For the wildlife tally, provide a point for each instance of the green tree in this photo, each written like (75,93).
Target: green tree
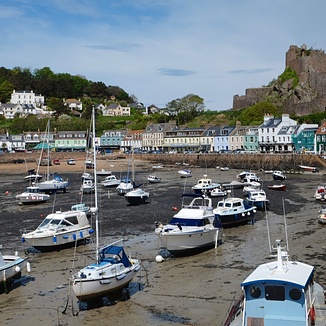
(254,115)
(6,89)
(186,108)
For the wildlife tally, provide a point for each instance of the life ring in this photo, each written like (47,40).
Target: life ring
(312,316)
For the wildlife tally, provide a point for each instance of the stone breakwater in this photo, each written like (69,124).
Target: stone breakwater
(235,161)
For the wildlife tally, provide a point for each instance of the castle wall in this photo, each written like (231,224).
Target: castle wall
(309,97)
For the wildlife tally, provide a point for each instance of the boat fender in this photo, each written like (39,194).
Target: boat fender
(174,208)
(74,237)
(159,259)
(54,239)
(312,316)
(28,267)
(17,269)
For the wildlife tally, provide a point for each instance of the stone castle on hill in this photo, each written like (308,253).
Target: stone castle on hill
(309,96)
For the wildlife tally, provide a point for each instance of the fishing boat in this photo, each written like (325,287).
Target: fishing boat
(194,228)
(277,187)
(280,292)
(153,178)
(258,199)
(59,230)
(137,196)
(278,175)
(11,267)
(251,186)
(32,195)
(219,192)
(205,185)
(111,271)
(87,186)
(233,211)
(309,168)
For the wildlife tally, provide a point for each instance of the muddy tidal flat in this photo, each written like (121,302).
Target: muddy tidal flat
(193,290)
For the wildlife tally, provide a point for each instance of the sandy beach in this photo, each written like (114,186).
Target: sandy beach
(194,290)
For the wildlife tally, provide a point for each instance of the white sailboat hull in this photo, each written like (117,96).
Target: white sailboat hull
(96,285)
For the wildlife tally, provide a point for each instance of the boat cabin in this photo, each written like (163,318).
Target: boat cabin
(279,293)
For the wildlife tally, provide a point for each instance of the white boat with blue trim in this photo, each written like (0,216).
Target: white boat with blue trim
(59,230)
(112,269)
(194,228)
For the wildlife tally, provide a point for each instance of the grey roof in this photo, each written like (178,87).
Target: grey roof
(271,123)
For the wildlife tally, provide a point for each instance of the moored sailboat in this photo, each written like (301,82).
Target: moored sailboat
(112,269)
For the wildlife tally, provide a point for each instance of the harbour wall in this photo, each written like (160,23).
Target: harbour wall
(235,161)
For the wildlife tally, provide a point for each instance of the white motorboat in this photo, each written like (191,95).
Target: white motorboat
(258,199)
(111,181)
(87,176)
(87,186)
(153,178)
(251,186)
(11,267)
(137,196)
(59,230)
(247,176)
(185,173)
(112,269)
(322,216)
(234,184)
(103,172)
(219,192)
(33,176)
(280,292)
(279,175)
(32,195)
(233,211)
(205,185)
(54,185)
(194,228)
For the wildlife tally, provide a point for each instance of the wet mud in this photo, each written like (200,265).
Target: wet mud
(192,290)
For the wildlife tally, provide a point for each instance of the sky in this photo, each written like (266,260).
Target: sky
(161,50)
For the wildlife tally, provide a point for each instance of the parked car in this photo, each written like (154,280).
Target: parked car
(71,161)
(56,162)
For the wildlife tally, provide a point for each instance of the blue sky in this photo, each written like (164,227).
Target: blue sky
(160,50)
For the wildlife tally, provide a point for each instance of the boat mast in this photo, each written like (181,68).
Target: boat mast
(95,185)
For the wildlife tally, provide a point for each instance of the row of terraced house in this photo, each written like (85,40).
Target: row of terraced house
(274,135)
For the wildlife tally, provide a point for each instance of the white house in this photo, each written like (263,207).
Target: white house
(275,134)
(27,97)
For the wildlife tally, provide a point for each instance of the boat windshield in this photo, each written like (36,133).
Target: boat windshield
(49,222)
(187,222)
